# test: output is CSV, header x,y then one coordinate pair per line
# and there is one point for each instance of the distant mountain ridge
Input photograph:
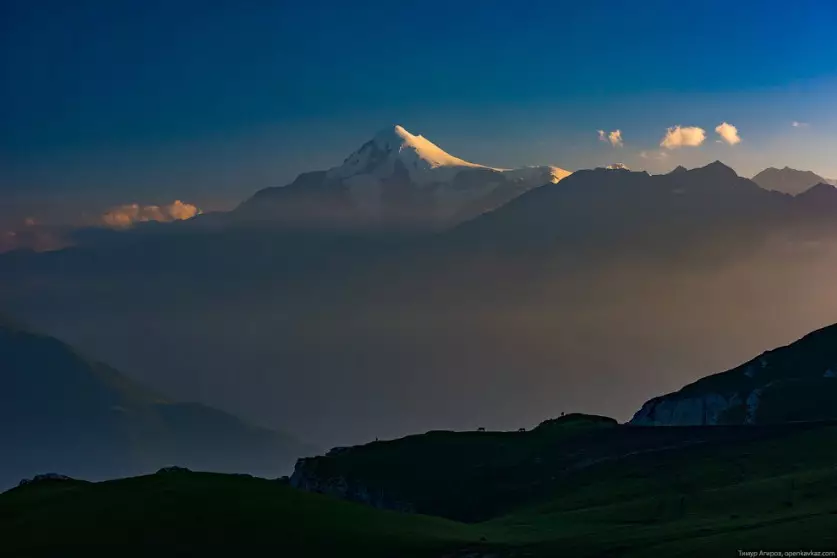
x,y
558,268
62,412
632,200
394,179
788,180
797,382
600,206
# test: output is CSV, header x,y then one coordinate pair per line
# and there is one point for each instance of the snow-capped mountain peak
x,y
424,149
424,161
394,149
399,177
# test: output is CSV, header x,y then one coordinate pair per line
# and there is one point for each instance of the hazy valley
x,y
590,294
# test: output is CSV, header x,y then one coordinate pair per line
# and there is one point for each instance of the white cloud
x,y
796,124
614,138
728,133
679,136
126,215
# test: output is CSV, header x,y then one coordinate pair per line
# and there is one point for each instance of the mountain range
x,y
61,411
397,180
593,292
401,181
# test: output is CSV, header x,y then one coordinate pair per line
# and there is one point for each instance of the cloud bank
x,y
728,133
680,136
127,215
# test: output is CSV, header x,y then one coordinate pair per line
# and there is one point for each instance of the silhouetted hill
x,y
818,202
182,513
475,476
60,411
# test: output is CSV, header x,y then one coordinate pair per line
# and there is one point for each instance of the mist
x,y
345,340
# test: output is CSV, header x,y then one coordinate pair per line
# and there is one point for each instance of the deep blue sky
x,y
109,102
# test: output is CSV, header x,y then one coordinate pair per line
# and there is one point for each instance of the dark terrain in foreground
x,y
672,491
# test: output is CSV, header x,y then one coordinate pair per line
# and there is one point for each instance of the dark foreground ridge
x,y
181,513
794,383
691,491
477,476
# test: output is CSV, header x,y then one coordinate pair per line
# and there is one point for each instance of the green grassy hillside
x,y
205,514
775,492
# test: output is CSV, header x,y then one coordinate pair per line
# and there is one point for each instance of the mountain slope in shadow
x,y
60,411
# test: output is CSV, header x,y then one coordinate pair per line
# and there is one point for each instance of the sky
x,y
143,101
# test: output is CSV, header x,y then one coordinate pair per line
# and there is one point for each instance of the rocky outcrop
x,y
46,478
708,409
308,477
792,383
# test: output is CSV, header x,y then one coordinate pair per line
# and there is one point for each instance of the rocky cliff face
x,y
307,477
792,383
708,409
476,476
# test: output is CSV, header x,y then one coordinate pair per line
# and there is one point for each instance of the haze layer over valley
x,y
590,292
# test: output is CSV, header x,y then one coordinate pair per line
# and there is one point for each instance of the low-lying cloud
x,y
614,138
683,136
126,215
654,155
728,133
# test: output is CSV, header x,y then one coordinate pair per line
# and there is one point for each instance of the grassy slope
x,y
704,499
186,514
766,494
